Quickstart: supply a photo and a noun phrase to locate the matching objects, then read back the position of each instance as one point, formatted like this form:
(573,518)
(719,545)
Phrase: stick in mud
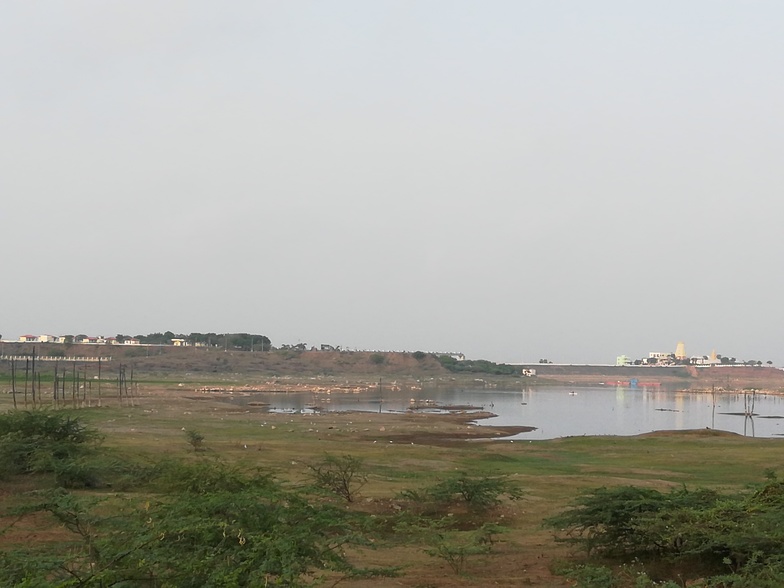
(13,380)
(27,373)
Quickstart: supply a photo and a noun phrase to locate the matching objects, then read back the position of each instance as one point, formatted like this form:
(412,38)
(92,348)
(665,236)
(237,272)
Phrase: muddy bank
(440,429)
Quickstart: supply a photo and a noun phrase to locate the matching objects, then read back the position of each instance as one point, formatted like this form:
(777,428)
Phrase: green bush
(238,534)
(53,426)
(735,540)
(454,551)
(478,492)
(195,440)
(479,366)
(41,441)
(78,473)
(341,475)
(592,576)
(618,521)
(205,477)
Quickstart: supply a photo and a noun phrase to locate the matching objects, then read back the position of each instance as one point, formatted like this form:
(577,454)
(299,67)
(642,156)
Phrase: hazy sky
(515,179)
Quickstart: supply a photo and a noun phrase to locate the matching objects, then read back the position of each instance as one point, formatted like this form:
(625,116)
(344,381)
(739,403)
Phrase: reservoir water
(562,412)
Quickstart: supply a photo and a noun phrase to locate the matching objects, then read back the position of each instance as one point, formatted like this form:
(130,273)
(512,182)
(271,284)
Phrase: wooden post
(84,387)
(27,374)
(126,387)
(13,380)
(33,374)
(74,383)
(55,382)
(99,382)
(120,372)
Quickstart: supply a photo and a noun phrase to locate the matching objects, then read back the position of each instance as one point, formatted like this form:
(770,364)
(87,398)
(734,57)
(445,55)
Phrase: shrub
(739,536)
(617,521)
(592,576)
(195,439)
(256,536)
(481,366)
(77,474)
(454,552)
(341,475)
(45,425)
(205,477)
(40,441)
(478,492)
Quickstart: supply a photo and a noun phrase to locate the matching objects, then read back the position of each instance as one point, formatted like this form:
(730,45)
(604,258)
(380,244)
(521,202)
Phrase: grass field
(413,451)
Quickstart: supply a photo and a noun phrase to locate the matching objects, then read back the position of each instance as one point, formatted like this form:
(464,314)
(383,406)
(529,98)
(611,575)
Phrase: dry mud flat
(453,426)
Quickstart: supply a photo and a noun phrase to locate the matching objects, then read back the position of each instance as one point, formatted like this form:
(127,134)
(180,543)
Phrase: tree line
(238,341)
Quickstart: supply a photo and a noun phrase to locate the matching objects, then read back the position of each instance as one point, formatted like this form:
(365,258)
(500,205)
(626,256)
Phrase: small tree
(456,548)
(454,553)
(477,492)
(341,475)
(195,439)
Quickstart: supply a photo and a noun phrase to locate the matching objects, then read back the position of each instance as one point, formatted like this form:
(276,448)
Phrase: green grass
(550,473)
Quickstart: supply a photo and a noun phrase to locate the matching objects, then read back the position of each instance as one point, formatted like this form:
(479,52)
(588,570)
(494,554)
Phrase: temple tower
(680,350)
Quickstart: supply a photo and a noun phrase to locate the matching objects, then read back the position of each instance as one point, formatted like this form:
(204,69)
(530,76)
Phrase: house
(622,360)
(180,342)
(659,358)
(131,342)
(29,339)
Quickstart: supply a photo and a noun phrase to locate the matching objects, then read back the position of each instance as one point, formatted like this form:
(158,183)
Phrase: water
(561,412)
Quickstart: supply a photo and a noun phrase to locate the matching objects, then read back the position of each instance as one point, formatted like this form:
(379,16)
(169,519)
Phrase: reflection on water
(560,411)
(629,411)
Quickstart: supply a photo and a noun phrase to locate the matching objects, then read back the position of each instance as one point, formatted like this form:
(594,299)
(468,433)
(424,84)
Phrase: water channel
(559,411)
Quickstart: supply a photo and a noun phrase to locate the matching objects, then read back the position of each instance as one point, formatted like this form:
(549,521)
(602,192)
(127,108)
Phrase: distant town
(679,357)
(239,341)
(228,341)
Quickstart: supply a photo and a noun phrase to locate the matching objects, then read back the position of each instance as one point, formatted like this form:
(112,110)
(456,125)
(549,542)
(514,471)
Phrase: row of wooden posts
(74,392)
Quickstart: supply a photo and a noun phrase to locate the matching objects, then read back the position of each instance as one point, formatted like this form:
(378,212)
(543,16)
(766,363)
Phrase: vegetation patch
(477,366)
(727,539)
(117,495)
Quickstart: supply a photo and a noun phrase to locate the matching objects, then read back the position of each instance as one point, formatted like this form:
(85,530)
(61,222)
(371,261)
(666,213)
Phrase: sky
(510,179)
